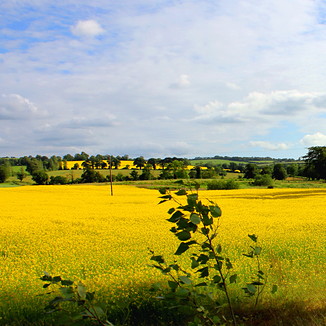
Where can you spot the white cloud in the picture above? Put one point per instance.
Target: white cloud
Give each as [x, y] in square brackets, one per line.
[269, 146]
[317, 139]
[87, 28]
[16, 107]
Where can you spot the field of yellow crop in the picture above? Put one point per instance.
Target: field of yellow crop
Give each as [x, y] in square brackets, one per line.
[82, 233]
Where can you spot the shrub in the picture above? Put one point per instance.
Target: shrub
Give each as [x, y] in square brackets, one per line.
[40, 177]
[263, 180]
[58, 180]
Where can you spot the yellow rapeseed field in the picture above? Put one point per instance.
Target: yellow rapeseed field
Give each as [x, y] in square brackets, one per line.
[82, 233]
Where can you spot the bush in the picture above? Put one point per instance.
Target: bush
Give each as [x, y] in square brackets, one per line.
[58, 180]
[40, 177]
[3, 174]
[263, 180]
[223, 185]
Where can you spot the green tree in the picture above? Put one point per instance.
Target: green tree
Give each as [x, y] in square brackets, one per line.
[4, 173]
[139, 162]
[21, 174]
[40, 177]
[316, 162]
[153, 162]
[279, 172]
[292, 170]
[250, 171]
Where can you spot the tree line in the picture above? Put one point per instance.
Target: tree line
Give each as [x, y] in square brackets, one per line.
[313, 167]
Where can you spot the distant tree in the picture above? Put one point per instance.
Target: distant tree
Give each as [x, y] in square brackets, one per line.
[90, 175]
[134, 175]
[33, 165]
[263, 180]
[4, 173]
[139, 162]
[40, 177]
[81, 157]
[58, 180]
[267, 169]
[316, 162]
[153, 162]
[21, 175]
[250, 171]
[279, 172]
[68, 157]
[292, 169]
[116, 162]
[146, 174]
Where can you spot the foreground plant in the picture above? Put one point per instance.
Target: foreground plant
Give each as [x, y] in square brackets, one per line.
[76, 294]
[196, 225]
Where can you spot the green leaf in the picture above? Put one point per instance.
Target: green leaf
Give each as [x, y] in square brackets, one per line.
[67, 292]
[46, 285]
[251, 288]
[257, 283]
[195, 218]
[228, 264]
[173, 285]
[204, 272]
[215, 211]
[182, 248]
[219, 249]
[182, 292]
[181, 192]
[171, 210]
[257, 251]
[253, 237]
[67, 282]
[207, 220]
[217, 279]
[185, 279]
[183, 235]
[203, 259]
[175, 216]
[97, 311]
[90, 296]
[274, 289]
[201, 284]
[194, 263]
[81, 290]
[56, 279]
[233, 278]
[158, 259]
[192, 199]
[162, 191]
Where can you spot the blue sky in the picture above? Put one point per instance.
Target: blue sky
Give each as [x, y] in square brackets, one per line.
[162, 78]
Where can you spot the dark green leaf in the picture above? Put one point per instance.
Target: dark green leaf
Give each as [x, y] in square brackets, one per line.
[215, 211]
[207, 220]
[233, 278]
[182, 248]
[67, 282]
[183, 235]
[171, 210]
[158, 259]
[162, 191]
[274, 289]
[194, 263]
[219, 249]
[257, 283]
[181, 192]
[173, 285]
[175, 216]
[216, 278]
[228, 264]
[201, 284]
[81, 290]
[192, 199]
[46, 285]
[56, 279]
[253, 237]
[90, 296]
[203, 272]
[203, 259]
[182, 292]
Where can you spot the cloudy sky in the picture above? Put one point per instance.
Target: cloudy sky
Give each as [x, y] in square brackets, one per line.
[162, 77]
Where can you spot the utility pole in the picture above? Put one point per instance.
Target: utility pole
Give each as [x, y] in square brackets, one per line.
[110, 164]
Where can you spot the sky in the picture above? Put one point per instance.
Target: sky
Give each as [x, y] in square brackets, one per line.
[162, 78]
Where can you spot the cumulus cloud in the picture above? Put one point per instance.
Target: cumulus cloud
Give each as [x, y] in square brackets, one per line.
[317, 139]
[269, 146]
[16, 107]
[87, 28]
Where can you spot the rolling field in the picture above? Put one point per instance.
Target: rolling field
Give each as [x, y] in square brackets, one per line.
[82, 233]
